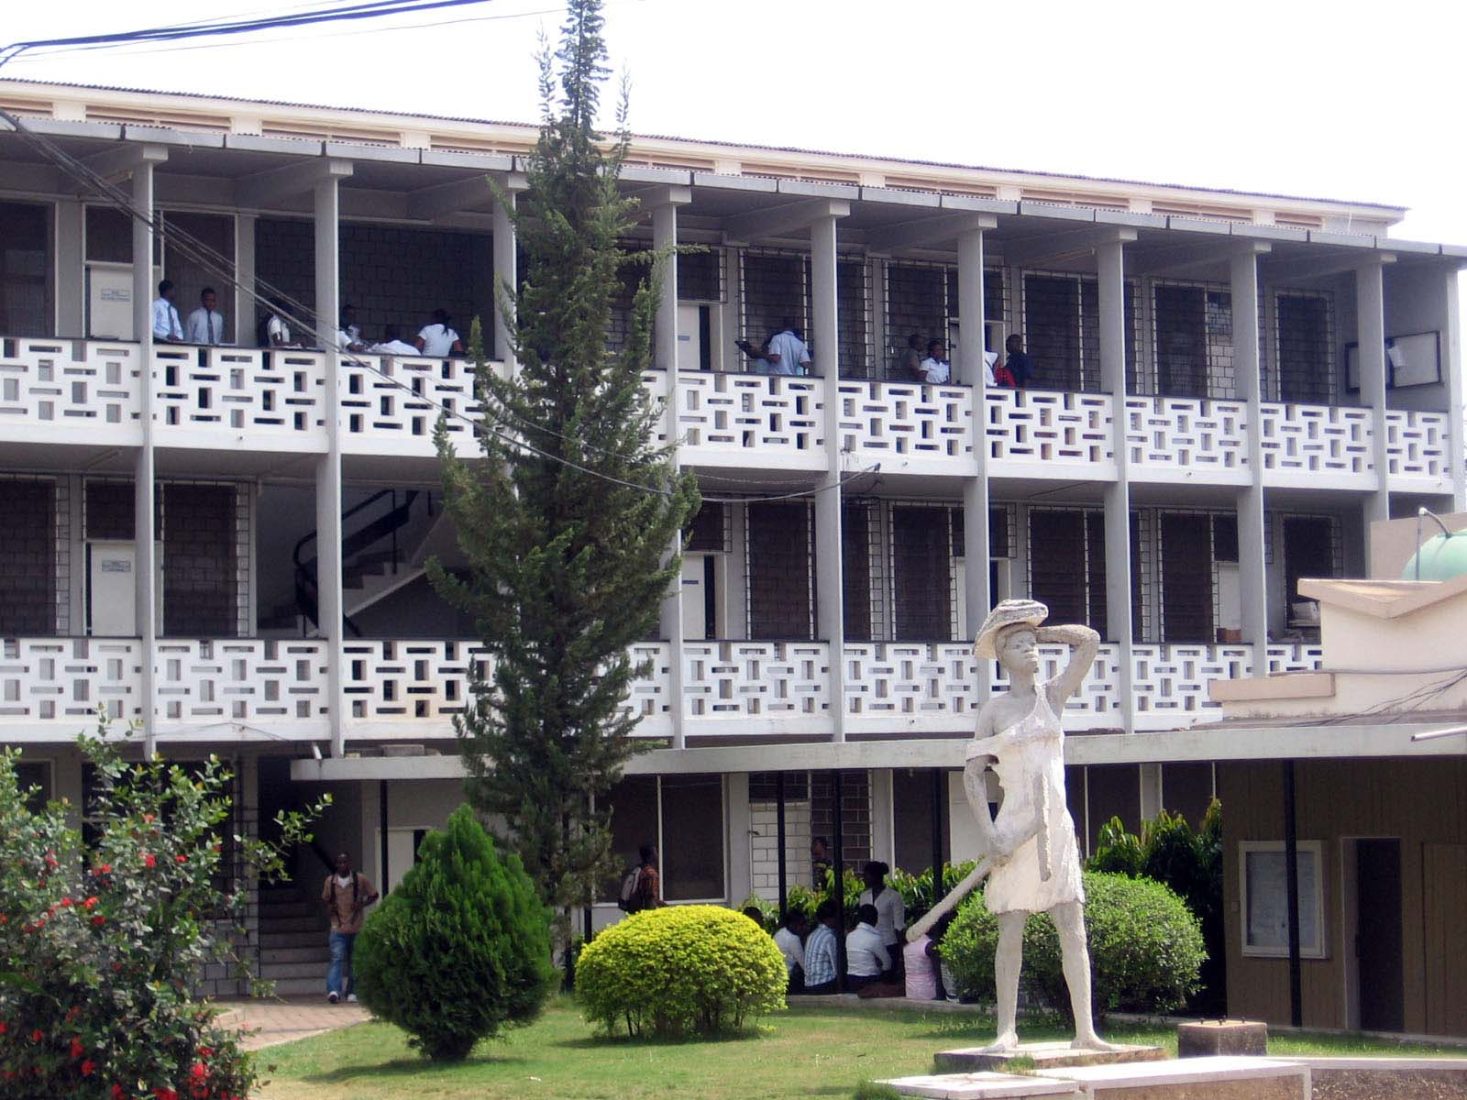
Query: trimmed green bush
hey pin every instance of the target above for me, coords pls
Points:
(461, 948)
(682, 970)
(1145, 948)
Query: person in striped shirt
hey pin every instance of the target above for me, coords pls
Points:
(820, 950)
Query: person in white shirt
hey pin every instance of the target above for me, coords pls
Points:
(867, 957)
(789, 938)
(349, 323)
(990, 360)
(277, 332)
(935, 369)
(891, 911)
(787, 353)
(394, 344)
(166, 325)
(438, 340)
(206, 324)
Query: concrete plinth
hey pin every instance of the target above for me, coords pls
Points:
(981, 1086)
(1040, 1057)
(1191, 1079)
(1210, 1038)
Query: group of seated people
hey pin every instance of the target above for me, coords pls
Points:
(205, 327)
(879, 961)
(934, 369)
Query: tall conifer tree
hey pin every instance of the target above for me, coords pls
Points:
(568, 517)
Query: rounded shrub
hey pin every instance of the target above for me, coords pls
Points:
(461, 948)
(682, 970)
(1145, 948)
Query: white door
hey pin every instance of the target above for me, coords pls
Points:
(690, 337)
(695, 596)
(109, 301)
(112, 588)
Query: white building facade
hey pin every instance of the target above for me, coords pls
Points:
(1228, 389)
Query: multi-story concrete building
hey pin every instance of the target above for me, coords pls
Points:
(1216, 412)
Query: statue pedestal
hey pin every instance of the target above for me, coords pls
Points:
(1038, 1057)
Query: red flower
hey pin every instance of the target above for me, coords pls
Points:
(206, 1052)
(117, 1093)
(148, 818)
(198, 1071)
(90, 903)
(104, 869)
(87, 1067)
(180, 858)
(4, 1027)
(99, 920)
(37, 1036)
(72, 1013)
(67, 903)
(163, 1093)
(77, 1050)
(149, 859)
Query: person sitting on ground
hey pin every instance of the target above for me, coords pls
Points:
(935, 369)
(393, 344)
(1018, 364)
(789, 939)
(867, 958)
(891, 910)
(437, 340)
(755, 914)
(820, 950)
(206, 324)
(908, 364)
(920, 962)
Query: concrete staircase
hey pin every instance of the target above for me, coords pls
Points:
(294, 951)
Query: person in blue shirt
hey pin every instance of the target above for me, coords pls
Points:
(820, 950)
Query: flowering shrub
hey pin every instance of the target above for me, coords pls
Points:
(684, 969)
(101, 942)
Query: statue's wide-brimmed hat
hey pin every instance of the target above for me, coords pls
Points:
(1007, 613)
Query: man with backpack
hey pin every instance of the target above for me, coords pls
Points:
(642, 886)
(346, 894)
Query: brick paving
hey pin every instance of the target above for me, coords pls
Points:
(269, 1023)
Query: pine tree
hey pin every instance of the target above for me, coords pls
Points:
(567, 519)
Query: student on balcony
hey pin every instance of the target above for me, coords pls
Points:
(1020, 366)
(436, 340)
(907, 365)
(166, 325)
(394, 344)
(785, 353)
(935, 369)
(206, 324)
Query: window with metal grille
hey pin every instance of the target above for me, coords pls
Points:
(855, 813)
(776, 285)
(1000, 531)
(853, 321)
(630, 278)
(779, 568)
(1067, 564)
(25, 269)
(1062, 331)
(1304, 349)
(200, 560)
(700, 276)
(1143, 573)
(1311, 549)
(1187, 547)
(709, 531)
(1193, 333)
(28, 581)
(856, 523)
(922, 573)
(916, 303)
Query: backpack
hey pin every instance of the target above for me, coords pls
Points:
(630, 900)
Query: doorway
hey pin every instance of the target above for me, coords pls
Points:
(1379, 967)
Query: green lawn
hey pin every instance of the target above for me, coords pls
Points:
(816, 1049)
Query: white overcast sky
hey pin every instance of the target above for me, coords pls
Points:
(1340, 100)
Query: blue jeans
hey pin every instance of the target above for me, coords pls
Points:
(341, 945)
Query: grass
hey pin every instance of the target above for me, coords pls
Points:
(816, 1049)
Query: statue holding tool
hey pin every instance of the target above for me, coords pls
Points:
(1030, 855)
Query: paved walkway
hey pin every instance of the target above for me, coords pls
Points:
(269, 1023)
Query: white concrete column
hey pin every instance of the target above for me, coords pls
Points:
(830, 610)
(1456, 401)
(664, 331)
(1370, 333)
(71, 264)
(1152, 794)
(327, 199)
(976, 535)
(506, 272)
(1111, 276)
(1252, 554)
(883, 816)
(144, 488)
(740, 828)
(245, 310)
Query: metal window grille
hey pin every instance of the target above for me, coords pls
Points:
(1303, 348)
(775, 285)
(779, 562)
(700, 276)
(859, 542)
(1192, 328)
(853, 320)
(763, 786)
(921, 537)
(916, 302)
(1143, 575)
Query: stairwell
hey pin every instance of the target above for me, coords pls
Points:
(294, 945)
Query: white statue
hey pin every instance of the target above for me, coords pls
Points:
(1030, 855)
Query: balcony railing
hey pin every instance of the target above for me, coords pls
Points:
(81, 391)
(219, 689)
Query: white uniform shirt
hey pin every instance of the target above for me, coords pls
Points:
(794, 356)
(205, 327)
(866, 954)
(166, 325)
(394, 347)
(791, 948)
(438, 341)
(936, 371)
(990, 360)
(892, 912)
(277, 328)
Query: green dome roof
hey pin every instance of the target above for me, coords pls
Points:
(1442, 558)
